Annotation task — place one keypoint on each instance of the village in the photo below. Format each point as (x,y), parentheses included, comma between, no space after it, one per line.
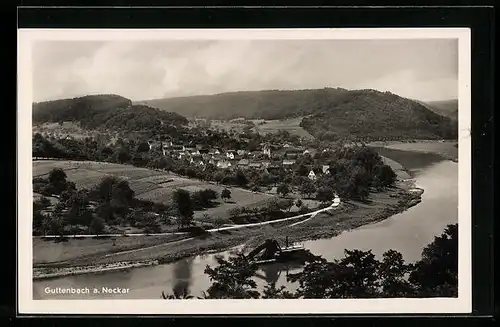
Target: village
(266,159)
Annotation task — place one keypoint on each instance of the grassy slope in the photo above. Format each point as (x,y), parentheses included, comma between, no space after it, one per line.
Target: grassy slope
(157,186)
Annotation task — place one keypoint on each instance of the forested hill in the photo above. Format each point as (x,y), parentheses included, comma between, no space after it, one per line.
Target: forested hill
(332,112)
(104,111)
(272,104)
(373,115)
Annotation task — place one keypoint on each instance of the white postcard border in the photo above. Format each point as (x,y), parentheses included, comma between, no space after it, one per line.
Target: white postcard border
(26,304)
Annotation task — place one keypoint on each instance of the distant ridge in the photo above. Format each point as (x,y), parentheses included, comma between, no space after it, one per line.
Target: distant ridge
(448,108)
(332,113)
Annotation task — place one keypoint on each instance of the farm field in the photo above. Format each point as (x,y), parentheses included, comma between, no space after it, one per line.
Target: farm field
(291,125)
(148,184)
(66,128)
(262,126)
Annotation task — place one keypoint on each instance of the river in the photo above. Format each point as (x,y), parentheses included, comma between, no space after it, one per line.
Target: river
(407,232)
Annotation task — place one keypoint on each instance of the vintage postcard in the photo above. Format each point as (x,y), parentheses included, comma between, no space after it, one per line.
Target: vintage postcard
(292,171)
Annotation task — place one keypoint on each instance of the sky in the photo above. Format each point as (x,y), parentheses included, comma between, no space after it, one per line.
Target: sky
(425,69)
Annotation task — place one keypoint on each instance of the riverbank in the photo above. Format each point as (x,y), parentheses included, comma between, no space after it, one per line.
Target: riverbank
(348,215)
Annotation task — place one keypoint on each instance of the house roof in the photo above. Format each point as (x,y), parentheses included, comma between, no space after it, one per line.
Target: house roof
(288,162)
(243,162)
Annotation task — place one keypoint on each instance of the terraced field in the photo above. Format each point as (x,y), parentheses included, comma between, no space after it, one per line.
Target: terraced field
(157,186)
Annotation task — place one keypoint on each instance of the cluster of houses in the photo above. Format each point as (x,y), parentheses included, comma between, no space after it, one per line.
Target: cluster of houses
(266,158)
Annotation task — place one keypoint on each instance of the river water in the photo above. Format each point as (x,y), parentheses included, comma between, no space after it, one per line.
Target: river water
(407,232)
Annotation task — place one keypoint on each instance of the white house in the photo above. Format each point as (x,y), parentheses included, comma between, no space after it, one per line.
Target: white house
(326,169)
(241,152)
(223,164)
(267,151)
(312,175)
(230,155)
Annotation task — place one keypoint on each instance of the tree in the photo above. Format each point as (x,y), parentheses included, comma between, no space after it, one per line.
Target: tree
(57,226)
(182,200)
(393,271)
(298,203)
(97,226)
(203,198)
(57,176)
(302,170)
(240,178)
(232,279)
(285,204)
(283,189)
(123,155)
(272,292)
(143,147)
(436,274)
(384,175)
(307,188)
(225,194)
(324,194)
(105,212)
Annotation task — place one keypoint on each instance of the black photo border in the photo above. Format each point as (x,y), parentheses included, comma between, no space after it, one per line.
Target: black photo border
(479,19)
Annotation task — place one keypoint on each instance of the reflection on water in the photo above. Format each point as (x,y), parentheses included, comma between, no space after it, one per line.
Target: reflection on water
(182,276)
(407,233)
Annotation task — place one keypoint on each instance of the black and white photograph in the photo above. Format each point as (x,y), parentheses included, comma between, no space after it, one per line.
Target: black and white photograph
(271,166)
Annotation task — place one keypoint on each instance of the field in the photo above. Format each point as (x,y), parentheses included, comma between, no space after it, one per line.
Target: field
(67,128)
(266,126)
(290,125)
(156,186)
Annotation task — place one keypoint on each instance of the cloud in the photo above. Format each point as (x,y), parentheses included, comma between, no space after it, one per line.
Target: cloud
(421,69)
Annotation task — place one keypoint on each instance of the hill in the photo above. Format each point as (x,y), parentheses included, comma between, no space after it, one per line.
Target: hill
(448,108)
(372,115)
(106,111)
(332,113)
(271,105)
